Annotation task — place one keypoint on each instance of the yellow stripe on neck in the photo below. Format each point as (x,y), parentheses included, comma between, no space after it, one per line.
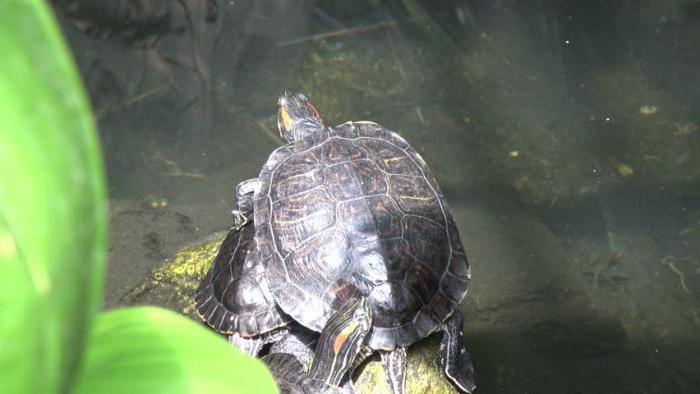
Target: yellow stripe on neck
(343,336)
(286,120)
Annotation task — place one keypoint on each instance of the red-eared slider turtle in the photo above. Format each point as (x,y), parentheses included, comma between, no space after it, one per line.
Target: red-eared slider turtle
(353,211)
(233,298)
(297,368)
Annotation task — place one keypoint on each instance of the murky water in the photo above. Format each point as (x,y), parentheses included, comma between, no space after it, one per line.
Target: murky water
(564,134)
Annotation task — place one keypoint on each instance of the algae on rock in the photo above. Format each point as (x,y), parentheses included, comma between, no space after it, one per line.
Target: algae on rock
(172,285)
(424,373)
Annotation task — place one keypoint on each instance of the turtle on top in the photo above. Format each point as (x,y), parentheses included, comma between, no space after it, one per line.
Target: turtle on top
(339,214)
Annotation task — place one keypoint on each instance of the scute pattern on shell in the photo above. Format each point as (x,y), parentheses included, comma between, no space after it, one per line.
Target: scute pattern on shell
(352,211)
(234,297)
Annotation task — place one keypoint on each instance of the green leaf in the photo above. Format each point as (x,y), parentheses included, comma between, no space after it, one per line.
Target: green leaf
(152,350)
(52,205)
(52,245)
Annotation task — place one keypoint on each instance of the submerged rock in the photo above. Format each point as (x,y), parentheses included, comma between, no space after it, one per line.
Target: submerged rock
(173,284)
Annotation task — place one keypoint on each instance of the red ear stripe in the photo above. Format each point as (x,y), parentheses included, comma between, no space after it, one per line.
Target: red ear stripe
(314,110)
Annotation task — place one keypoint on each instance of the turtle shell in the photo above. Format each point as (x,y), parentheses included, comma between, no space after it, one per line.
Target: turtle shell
(233,297)
(354,211)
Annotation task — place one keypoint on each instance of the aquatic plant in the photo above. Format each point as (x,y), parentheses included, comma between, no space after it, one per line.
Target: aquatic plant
(53,246)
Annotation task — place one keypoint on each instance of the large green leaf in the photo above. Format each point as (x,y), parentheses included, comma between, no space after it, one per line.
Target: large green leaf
(52,245)
(52,209)
(151,350)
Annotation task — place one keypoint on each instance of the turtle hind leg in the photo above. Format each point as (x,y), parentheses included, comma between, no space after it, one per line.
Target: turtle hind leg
(394,363)
(454,356)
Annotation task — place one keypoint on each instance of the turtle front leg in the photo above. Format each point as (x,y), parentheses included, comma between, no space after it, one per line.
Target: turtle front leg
(251,345)
(245,194)
(394,363)
(454,356)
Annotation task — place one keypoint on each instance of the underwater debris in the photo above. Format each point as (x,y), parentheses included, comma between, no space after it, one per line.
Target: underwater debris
(555,198)
(648,110)
(521,183)
(155,202)
(339,33)
(669,262)
(173,169)
(269,132)
(99,113)
(176,171)
(621,168)
(685,129)
(419,113)
(604,270)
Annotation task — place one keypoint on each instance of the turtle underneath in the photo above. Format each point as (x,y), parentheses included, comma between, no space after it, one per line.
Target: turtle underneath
(234,299)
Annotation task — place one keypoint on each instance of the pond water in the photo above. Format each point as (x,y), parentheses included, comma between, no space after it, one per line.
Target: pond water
(563,133)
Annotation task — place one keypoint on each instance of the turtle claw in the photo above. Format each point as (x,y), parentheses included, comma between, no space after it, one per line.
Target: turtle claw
(239,220)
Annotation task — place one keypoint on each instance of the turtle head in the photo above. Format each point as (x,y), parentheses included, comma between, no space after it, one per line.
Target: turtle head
(341,341)
(296,117)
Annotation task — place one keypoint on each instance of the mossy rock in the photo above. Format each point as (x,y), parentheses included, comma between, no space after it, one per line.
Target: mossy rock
(424,373)
(172,285)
